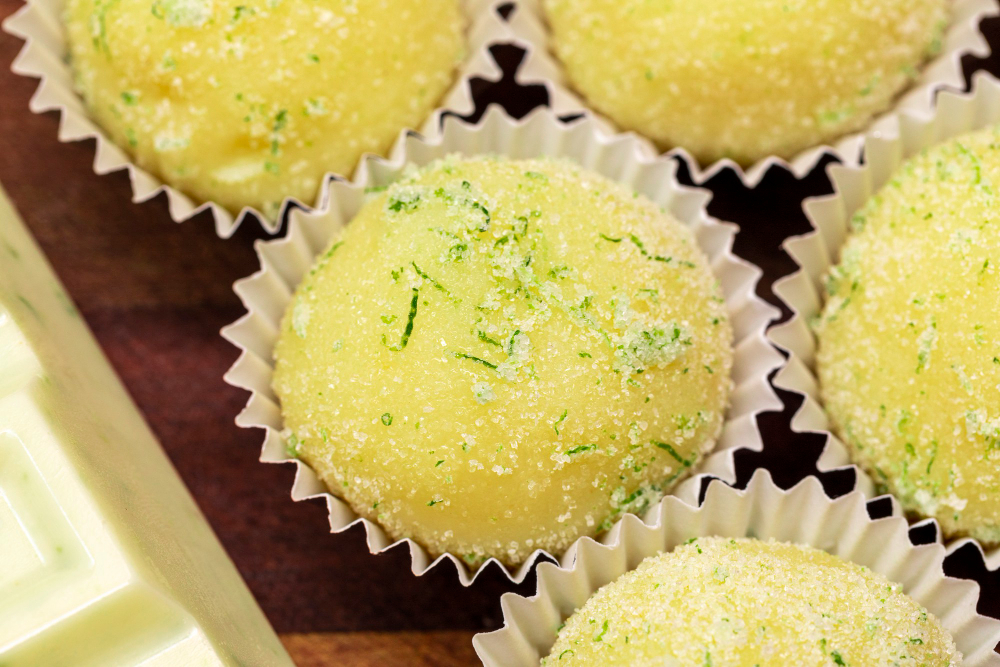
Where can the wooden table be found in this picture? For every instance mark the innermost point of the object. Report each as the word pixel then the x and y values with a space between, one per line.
pixel 156 294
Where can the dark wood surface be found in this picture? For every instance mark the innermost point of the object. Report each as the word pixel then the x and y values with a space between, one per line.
pixel 156 294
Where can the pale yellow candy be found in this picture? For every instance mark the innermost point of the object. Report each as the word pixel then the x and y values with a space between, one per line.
pixel 105 559
pixel 500 356
pixel 909 340
pixel 743 79
pixel 749 603
pixel 246 103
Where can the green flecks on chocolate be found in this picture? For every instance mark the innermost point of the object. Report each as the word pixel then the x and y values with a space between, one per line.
pixel 560 272
pixel 486 339
pixel 11 250
pixel 673 452
pixel 483 392
pixel 31 308
pixel 403 200
pixel 458 251
pixel 643 346
pixel 637 242
pixel 600 635
pixel 514 341
pixel 464 198
pixel 280 121
pixel 978 423
pixel 835 117
pixel 933 457
pixel 241 12
pixel 463 355
pixel 325 258
pixel 870 86
pixel 183 13
pixel 438 286
pixel 67 305
pixel 317 107
pixel 652 294
pixel 559 421
pixel 411 317
pixel 926 343
pixel 98 27
pixel 292 445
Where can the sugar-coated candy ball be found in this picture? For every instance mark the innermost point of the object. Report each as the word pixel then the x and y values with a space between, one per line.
pixel 744 79
pixel 744 603
pixel 247 103
pixel 498 356
pixel 909 338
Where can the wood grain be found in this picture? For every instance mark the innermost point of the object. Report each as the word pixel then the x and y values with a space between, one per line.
pixel 156 294
pixel 375 649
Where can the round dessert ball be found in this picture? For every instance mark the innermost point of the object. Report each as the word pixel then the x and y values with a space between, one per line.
pixel 743 79
pixel 720 601
pixel 909 339
pixel 246 103
pixel 500 355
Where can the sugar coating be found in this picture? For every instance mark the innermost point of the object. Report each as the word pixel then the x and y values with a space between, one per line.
pixel 746 603
pixel 246 103
pixel 743 79
pixel 909 339
pixel 499 356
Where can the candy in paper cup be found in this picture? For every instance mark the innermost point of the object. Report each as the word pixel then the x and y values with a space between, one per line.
pixel 962 38
pixel 816 252
pixel 44 57
pixel 803 514
pixel 623 158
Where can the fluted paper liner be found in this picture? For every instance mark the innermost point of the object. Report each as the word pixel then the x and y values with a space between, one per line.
pixel 803 514
pixel 39 24
pixel 817 251
pixel 284 262
pixel 962 38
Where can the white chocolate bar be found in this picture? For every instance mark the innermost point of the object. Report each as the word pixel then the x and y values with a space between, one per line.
pixel 104 557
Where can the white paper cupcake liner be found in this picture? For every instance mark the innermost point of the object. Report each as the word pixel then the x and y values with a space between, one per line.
pixel 817 251
pixel 622 158
pixel 803 514
pixel 962 38
pixel 39 24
